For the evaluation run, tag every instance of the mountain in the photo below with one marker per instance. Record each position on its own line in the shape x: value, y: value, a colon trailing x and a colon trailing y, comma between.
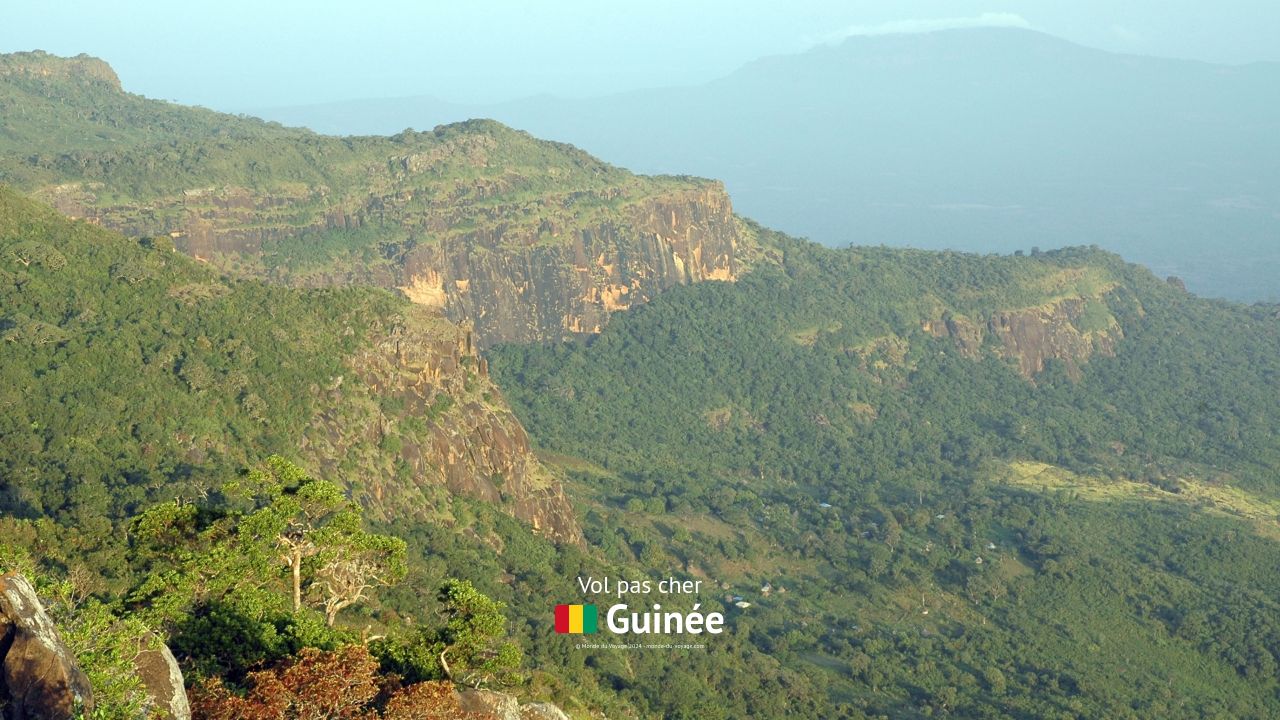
x: 914, y: 483
x: 521, y: 238
x: 133, y: 374
x: 976, y: 486
x: 141, y: 388
x: 987, y: 140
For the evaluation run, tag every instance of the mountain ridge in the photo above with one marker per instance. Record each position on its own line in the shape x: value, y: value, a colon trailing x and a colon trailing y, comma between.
x: 526, y: 239
x: 381, y: 374
x: 978, y: 139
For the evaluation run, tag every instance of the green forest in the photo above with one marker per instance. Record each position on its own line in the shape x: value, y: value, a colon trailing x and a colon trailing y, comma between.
x: 956, y: 538
x: 915, y: 484
x: 796, y: 431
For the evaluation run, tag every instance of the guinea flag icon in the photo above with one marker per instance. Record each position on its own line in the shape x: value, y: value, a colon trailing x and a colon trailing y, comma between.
x: 576, y: 619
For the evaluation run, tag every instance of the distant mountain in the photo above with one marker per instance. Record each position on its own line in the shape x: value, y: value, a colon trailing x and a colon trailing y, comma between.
x: 983, y: 140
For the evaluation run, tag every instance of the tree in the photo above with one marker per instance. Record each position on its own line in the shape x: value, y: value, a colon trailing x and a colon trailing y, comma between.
x: 471, y: 645
x: 312, y: 519
x: 305, y: 505
x: 355, y: 562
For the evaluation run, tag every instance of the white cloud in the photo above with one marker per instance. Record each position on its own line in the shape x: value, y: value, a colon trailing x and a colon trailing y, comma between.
x: 1009, y: 20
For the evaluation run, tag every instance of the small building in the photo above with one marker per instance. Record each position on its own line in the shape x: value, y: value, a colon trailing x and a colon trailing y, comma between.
x: 742, y: 604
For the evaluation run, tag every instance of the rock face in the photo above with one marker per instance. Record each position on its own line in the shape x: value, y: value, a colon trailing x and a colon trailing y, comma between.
x: 515, y: 287
x: 541, y: 711
x: 39, y: 65
x: 160, y: 675
x: 525, y: 239
x: 492, y: 705
x: 41, y: 678
x: 1069, y: 330
x: 1033, y: 336
x: 514, y: 281
x: 441, y: 422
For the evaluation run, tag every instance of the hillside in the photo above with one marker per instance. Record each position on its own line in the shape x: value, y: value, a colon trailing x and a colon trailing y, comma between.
x: 986, y: 140
x: 139, y: 388
x: 914, y: 483
x: 1038, y: 486
x: 133, y: 374
x: 524, y: 239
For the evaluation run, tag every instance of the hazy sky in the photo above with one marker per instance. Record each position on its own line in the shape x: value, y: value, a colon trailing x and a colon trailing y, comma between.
x: 241, y: 54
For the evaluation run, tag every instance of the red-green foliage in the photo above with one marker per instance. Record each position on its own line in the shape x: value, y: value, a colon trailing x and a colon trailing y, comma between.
x: 318, y: 685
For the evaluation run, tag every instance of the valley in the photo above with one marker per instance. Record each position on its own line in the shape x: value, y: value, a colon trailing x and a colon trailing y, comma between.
x: 241, y: 363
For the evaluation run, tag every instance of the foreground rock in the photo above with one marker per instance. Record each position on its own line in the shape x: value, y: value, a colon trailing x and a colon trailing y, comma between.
x: 41, y: 678
x: 158, y: 670
x: 493, y: 705
x: 542, y: 711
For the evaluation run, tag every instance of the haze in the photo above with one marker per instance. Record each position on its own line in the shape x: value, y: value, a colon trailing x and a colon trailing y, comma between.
x: 244, y: 54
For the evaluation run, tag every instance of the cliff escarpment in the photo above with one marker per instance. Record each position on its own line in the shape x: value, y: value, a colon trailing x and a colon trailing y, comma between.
x: 186, y: 377
x: 527, y: 240
x: 563, y: 277
x: 41, y: 67
x: 1069, y: 329
x: 419, y: 410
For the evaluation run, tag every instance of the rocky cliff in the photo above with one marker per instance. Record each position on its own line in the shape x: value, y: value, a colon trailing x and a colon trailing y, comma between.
x: 519, y: 268
x: 564, y: 277
x: 1069, y: 330
x: 49, y: 69
x: 419, y: 404
x: 493, y: 705
x: 526, y: 239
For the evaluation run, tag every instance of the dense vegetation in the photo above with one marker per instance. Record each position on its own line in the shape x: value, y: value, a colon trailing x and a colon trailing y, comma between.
x: 70, y: 134
x: 130, y: 370
x: 921, y: 524
x: 956, y: 538
x: 796, y: 429
x: 139, y: 387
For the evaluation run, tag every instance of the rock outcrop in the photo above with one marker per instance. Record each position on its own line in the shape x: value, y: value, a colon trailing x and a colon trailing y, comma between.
x: 162, y: 678
x: 515, y: 286
x: 1034, y: 336
x: 439, y: 422
x: 528, y: 240
x: 490, y: 705
x: 41, y: 678
x: 514, y: 279
x: 42, y: 66
x: 542, y: 711
x: 493, y: 705
x: 1067, y: 330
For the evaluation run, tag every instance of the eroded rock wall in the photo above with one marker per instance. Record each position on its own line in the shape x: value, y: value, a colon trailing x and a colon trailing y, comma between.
x: 1031, y: 337
x: 419, y: 403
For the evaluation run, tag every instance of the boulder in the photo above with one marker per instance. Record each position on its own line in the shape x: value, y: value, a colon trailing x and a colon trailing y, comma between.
x: 41, y: 678
x: 489, y: 705
x: 541, y: 711
x: 160, y: 675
